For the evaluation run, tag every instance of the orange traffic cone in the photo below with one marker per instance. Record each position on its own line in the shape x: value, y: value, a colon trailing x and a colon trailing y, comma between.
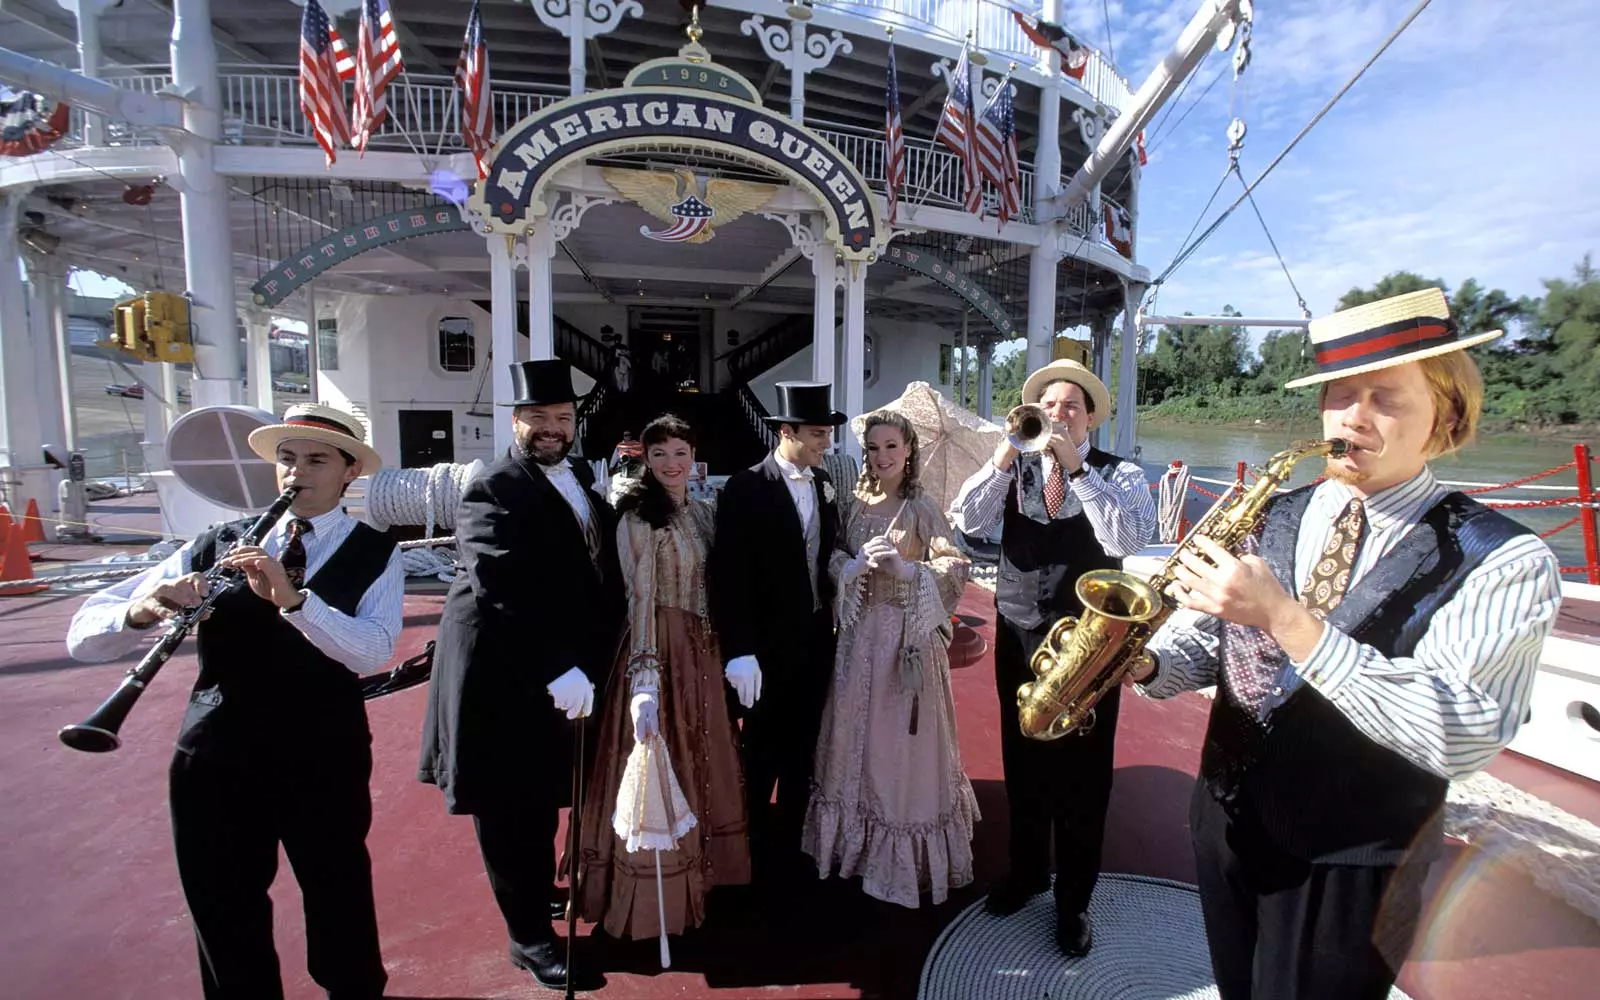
x: 32, y: 524
x: 14, y: 561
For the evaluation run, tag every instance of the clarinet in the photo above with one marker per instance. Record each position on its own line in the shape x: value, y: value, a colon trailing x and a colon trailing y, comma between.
x: 98, y: 733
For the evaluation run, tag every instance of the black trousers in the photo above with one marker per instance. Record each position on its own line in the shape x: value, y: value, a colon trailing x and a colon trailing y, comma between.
x: 228, y: 817
x: 778, y: 743
x: 1056, y: 790
x: 1281, y: 928
x: 519, y: 856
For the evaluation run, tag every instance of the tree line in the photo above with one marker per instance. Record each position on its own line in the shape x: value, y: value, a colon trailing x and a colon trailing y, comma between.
x: 1545, y: 373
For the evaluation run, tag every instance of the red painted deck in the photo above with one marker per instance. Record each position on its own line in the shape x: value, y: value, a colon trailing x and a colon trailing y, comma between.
x: 92, y: 908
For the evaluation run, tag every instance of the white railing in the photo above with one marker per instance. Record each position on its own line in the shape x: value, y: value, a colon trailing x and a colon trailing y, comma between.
x: 262, y: 107
x: 994, y: 32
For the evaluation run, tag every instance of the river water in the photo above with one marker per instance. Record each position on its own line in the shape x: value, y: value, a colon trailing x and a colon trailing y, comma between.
x: 1212, y: 452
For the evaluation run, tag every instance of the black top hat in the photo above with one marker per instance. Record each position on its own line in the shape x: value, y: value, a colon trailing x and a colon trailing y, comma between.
x: 806, y: 403
x: 541, y: 383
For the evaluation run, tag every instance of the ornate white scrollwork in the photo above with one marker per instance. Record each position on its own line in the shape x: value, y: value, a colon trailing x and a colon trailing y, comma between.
x: 801, y: 236
x: 479, y: 224
x: 1090, y: 127
x: 569, y: 213
x: 598, y: 17
x: 777, y: 41
x: 944, y: 68
x: 991, y: 86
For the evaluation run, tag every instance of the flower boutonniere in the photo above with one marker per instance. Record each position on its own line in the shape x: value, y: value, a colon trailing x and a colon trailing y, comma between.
x: 827, y: 492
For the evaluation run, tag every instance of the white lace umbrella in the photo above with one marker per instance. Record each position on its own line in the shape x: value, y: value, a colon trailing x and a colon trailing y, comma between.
x: 953, y: 442
x: 652, y: 813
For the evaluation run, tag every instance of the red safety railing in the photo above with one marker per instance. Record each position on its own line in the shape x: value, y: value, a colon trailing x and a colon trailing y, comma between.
x: 1586, y: 500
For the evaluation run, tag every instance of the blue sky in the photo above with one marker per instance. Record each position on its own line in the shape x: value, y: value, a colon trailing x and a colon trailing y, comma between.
x: 1469, y: 149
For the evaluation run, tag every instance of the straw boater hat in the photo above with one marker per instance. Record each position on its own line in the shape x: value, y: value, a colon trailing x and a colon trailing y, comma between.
x: 315, y: 422
x: 1382, y: 334
x: 1083, y: 378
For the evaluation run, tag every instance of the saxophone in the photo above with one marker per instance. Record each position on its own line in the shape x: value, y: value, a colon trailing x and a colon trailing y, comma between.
x: 1082, y: 659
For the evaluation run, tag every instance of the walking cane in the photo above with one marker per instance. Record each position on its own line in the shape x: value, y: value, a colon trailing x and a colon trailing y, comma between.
x: 574, y: 820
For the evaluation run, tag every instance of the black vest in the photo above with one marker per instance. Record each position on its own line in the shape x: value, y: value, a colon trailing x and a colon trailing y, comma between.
x: 264, y: 689
x: 1040, y: 563
x: 1307, y: 778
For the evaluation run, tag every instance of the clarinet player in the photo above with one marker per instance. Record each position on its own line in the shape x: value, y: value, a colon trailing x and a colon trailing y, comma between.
x: 274, y: 747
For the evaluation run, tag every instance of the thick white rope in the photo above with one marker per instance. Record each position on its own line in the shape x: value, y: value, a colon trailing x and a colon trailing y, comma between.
x: 426, y: 497
x: 1169, y: 505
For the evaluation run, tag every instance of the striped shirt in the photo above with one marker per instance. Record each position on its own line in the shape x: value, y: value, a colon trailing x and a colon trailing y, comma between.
x: 363, y: 642
x: 1118, y: 505
x: 1452, y: 704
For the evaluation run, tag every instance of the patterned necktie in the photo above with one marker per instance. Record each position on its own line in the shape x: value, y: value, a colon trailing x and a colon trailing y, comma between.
x: 294, y: 551
x: 1330, y: 577
x: 1055, y: 490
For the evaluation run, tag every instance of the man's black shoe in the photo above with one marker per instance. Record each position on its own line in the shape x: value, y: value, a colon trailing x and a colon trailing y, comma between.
x: 547, y: 962
x: 1011, y: 894
x: 1075, y: 934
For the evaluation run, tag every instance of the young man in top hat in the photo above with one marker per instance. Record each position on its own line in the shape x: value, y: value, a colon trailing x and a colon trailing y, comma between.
x: 275, y: 747
x: 1382, y: 643
x: 527, y: 632
x: 1070, y: 510
x: 772, y: 602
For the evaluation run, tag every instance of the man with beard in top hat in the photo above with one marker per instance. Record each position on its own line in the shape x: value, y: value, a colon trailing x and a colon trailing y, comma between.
x: 772, y: 602
x: 528, y: 630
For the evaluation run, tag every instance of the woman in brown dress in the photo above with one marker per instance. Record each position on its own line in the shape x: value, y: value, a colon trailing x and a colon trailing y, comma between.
x: 890, y: 801
x: 667, y: 679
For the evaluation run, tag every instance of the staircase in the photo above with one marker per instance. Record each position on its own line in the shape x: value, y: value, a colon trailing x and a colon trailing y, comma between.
x: 773, y: 346
x: 728, y: 439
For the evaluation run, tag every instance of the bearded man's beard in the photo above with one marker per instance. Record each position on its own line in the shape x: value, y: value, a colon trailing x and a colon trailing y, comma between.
x: 547, y: 448
x: 1343, y: 474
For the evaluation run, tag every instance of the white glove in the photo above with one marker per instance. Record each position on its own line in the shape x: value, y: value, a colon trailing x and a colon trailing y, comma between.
x: 643, y: 709
x: 882, y: 554
x: 573, y: 694
x: 744, y: 673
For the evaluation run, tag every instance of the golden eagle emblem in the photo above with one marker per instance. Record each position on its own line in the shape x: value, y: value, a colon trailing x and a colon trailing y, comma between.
x: 676, y: 200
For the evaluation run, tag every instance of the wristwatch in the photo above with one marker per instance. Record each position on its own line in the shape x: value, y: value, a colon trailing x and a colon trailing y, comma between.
x: 1082, y: 470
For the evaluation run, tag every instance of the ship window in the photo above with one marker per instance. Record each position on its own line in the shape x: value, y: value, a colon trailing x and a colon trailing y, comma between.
x: 457, y: 348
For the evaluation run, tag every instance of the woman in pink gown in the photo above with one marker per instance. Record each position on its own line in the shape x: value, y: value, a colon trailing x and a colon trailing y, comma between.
x: 890, y: 801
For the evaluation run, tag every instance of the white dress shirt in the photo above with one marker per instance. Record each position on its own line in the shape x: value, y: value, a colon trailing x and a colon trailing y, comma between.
x: 1459, y: 697
x: 565, y: 480
x: 1117, y: 503
x: 800, y: 486
x: 364, y: 642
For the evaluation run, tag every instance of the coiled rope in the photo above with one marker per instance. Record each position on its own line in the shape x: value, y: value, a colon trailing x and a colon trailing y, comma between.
x: 1169, y: 503
x: 426, y: 497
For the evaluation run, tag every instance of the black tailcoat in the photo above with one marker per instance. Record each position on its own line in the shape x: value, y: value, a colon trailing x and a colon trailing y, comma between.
x: 528, y: 606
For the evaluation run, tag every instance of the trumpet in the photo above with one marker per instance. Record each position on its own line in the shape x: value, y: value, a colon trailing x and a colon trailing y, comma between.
x: 98, y: 733
x: 1029, y: 429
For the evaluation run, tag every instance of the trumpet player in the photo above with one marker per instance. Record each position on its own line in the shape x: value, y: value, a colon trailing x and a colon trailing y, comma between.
x: 274, y: 747
x: 1377, y: 640
x: 1065, y: 508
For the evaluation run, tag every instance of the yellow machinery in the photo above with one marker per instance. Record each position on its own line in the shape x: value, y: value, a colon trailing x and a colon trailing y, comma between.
x: 153, y: 327
x: 1065, y: 348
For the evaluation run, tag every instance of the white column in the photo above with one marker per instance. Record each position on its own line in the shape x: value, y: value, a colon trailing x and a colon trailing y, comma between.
x: 579, y: 21
x: 1100, y: 359
x: 788, y: 47
x: 1128, y: 377
x: 258, y: 360
x: 797, y: 72
x: 503, y: 332
x: 88, y: 11
x: 1046, y: 183
x: 21, y: 445
x: 577, y: 54
x: 74, y: 501
x: 966, y: 319
x: 207, y: 229
x: 541, y: 297
x: 1041, y: 303
x: 44, y: 288
x: 855, y: 347
x: 986, y: 378
x: 825, y: 270
x: 312, y: 357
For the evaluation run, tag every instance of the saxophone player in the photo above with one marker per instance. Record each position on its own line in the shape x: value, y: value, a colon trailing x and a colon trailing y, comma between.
x: 1380, y: 643
x: 1064, y: 512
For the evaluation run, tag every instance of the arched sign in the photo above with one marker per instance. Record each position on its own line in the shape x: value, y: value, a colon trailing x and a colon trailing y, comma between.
x: 336, y: 248
x: 531, y: 152
x: 959, y: 282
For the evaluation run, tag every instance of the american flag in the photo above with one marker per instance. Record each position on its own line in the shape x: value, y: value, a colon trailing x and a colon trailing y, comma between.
x: 377, y: 64
x: 956, y: 131
x: 1049, y: 35
x: 321, y: 95
x: 477, y: 106
x: 997, y: 150
x: 894, y: 166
